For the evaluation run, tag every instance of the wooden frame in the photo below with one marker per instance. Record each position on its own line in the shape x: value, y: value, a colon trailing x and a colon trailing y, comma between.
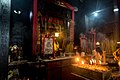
x: 48, y: 45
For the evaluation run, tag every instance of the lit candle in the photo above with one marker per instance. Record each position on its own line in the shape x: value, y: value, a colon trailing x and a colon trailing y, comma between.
x: 119, y: 65
x: 77, y: 59
x: 82, y: 62
x: 100, y: 62
x: 91, y: 62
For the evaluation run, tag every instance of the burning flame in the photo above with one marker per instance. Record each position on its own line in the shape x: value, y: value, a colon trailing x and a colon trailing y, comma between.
x: 100, y: 62
x: 119, y: 63
x: 82, y: 62
x: 77, y: 59
x: 91, y: 62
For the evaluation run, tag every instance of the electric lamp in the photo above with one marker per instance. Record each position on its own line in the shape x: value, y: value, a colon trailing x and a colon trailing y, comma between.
x: 56, y: 34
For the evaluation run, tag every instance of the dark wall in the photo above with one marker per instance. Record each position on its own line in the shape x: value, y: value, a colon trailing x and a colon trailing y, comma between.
x: 4, y: 37
x: 21, y: 25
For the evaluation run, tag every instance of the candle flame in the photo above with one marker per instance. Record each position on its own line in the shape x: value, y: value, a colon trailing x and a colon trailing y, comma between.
x: 90, y: 61
x: 77, y: 59
x: 82, y: 62
x: 100, y: 62
x: 119, y: 63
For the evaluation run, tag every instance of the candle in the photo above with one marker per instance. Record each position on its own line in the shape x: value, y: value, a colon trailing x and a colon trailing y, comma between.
x: 100, y: 62
x: 119, y: 65
x: 82, y: 62
x: 77, y: 59
x: 91, y: 62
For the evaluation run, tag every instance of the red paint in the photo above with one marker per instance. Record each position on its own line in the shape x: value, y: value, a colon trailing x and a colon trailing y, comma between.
x: 73, y: 15
x: 34, y: 43
x: 94, y: 37
x: 95, y: 40
x: 71, y: 8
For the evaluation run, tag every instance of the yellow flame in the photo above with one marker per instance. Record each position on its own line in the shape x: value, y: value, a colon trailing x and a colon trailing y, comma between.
x: 82, y: 62
x: 100, y: 62
x: 91, y: 62
x: 77, y: 59
x: 56, y: 34
x: 119, y: 63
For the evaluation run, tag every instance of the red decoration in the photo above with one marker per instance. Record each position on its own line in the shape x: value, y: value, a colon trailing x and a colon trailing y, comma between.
x: 71, y: 8
x: 93, y: 32
x: 34, y: 27
x: 83, y: 42
x: 48, y: 45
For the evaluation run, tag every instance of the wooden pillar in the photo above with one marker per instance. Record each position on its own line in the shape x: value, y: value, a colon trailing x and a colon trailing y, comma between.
x: 94, y: 34
x: 72, y: 22
x: 71, y: 8
x: 5, y: 6
x: 34, y: 44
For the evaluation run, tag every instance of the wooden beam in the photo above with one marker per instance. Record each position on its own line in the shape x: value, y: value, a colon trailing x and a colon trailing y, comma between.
x: 72, y: 22
x: 71, y: 8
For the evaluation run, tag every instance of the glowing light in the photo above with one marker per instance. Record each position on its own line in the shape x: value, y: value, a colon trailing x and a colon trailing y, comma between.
x: 90, y: 61
x: 15, y: 47
x: 116, y: 9
x: 77, y: 59
x: 118, y: 42
x: 56, y: 34
x: 82, y: 62
x: 30, y: 15
x: 17, y: 12
x: 119, y: 63
x: 28, y: 79
x: 95, y: 14
x: 100, y: 62
x: 93, y: 61
x: 68, y: 24
x: 97, y: 43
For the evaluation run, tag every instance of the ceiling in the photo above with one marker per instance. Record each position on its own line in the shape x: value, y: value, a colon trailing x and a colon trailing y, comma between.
x: 91, y: 5
x: 84, y: 6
